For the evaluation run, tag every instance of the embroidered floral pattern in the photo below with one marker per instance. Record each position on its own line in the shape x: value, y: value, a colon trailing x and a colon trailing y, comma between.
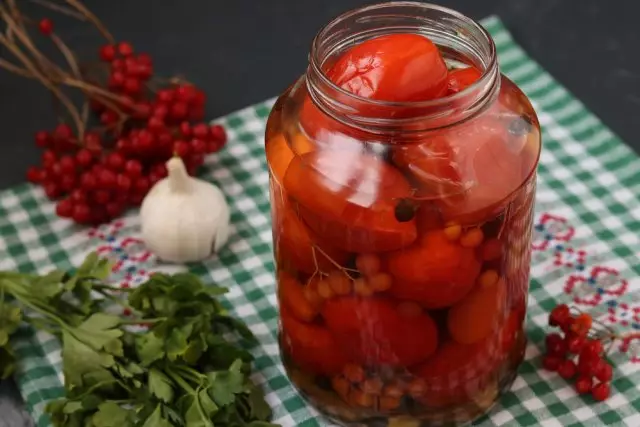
x: 598, y: 289
x: 132, y: 259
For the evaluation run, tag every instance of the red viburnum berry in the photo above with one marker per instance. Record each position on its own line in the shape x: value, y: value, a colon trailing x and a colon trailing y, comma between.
x: 567, y: 369
x: 601, y: 391
x: 603, y: 371
x: 125, y: 49
x: 584, y: 384
x: 46, y: 26
x: 551, y: 363
x: 43, y: 139
x: 108, y: 53
x: 558, y: 316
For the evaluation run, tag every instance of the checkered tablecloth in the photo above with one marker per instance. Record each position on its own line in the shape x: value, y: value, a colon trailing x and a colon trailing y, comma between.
x: 586, y: 249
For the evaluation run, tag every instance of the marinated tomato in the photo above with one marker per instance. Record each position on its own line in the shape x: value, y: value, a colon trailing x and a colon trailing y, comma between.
x: 279, y: 153
x: 380, y: 331
x: 435, y: 271
x: 433, y: 165
x: 296, y: 247
x: 479, y: 314
x: 456, y: 372
x: 349, y: 199
x: 395, y: 67
x: 462, y: 78
x: 310, y: 346
x: 490, y: 166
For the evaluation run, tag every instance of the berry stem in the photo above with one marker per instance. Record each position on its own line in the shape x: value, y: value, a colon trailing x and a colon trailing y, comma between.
x: 93, y: 18
x: 68, y: 55
x: 73, y: 111
x: 60, y: 9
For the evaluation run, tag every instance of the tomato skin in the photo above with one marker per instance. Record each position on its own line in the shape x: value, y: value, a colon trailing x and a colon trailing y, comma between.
x: 373, y: 331
x: 460, y: 79
x: 479, y: 314
x: 295, y: 244
x: 279, y: 153
x: 293, y: 240
x: 394, y: 67
x: 434, y: 272
x: 312, y: 347
x: 457, y: 371
x: 349, y: 199
x: 492, y: 166
x: 433, y: 165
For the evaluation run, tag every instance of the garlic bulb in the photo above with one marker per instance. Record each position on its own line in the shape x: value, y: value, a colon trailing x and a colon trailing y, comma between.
x: 184, y: 219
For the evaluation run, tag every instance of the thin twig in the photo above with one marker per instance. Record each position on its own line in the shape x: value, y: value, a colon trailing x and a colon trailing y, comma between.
x: 68, y: 55
x: 15, y: 69
x: 85, y: 112
x: 60, y: 9
x: 97, y: 90
x: 93, y: 18
x: 45, y: 64
x: 73, y: 111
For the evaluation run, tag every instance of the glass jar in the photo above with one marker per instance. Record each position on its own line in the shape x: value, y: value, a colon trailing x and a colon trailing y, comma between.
x: 402, y: 228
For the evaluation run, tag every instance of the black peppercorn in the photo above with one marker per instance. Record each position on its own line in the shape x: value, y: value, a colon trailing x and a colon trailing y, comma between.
x: 405, y: 210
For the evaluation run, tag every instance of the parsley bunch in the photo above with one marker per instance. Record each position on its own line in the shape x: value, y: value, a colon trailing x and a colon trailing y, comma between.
x: 179, y: 370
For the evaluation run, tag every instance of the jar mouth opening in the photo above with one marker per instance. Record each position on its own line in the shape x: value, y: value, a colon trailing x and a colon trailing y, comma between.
x: 487, y: 59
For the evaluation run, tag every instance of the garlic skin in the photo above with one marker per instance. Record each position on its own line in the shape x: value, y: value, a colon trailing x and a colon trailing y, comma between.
x: 184, y: 219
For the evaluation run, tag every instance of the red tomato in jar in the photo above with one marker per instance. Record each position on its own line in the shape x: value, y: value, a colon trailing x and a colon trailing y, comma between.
x: 433, y: 165
x: 434, y: 272
x: 460, y: 79
x: 490, y: 162
x: 349, y: 199
x: 479, y: 314
x: 378, y: 331
x: 296, y: 246
x: 394, y: 67
x: 279, y: 153
x: 457, y: 372
x: 311, y: 347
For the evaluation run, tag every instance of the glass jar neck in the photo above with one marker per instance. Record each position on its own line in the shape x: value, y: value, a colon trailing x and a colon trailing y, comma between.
x: 459, y: 38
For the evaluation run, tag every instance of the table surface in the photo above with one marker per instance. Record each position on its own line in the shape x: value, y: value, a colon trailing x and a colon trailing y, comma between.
x: 243, y: 51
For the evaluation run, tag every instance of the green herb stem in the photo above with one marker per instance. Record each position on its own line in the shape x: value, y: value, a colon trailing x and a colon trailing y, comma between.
x: 40, y: 309
x: 181, y: 382
x: 109, y: 288
x: 195, y: 375
x: 142, y: 320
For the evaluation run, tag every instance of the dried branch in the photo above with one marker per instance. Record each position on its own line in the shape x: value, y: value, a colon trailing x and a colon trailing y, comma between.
x: 68, y: 55
x: 31, y: 68
x: 93, y: 18
x: 60, y: 9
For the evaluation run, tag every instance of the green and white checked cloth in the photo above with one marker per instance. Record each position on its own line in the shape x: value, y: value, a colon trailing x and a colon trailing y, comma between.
x: 589, y: 185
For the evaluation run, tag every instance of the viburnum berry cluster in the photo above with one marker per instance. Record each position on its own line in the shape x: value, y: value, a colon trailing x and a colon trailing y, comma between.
x: 573, y: 354
x: 96, y: 165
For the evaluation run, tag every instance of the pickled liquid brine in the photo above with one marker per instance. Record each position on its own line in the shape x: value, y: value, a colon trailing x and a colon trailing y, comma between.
x: 402, y: 293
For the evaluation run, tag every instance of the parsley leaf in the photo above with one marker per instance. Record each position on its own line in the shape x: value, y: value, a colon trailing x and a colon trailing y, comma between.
x: 182, y: 370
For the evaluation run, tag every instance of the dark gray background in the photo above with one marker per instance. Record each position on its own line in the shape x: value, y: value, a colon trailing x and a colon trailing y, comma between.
x: 243, y: 51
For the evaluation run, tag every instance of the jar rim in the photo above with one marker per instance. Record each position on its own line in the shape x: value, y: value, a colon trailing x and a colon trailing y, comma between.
x: 486, y: 73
